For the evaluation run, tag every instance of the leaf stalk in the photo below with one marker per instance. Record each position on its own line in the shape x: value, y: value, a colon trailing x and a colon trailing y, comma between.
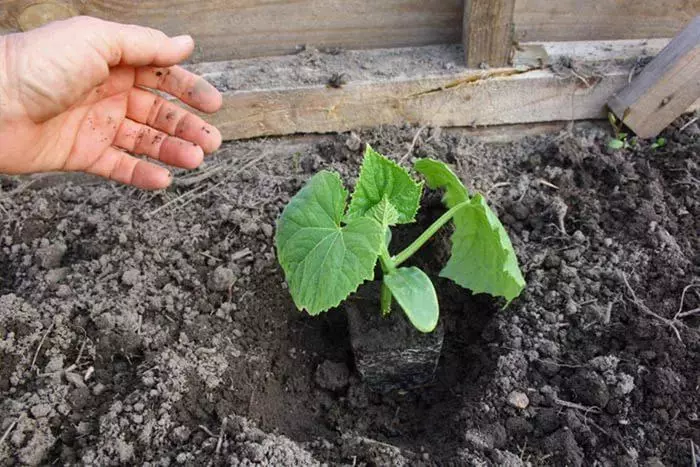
x: 411, y: 249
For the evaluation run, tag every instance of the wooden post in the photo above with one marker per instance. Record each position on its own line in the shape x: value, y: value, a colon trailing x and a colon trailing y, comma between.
x: 488, y: 32
x: 666, y: 87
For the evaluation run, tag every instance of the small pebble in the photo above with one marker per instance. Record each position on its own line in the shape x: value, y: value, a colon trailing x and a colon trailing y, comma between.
x: 353, y: 143
x: 41, y: 410
x: 268, y: 230
x: 98, y: 389
x: 519, y: 400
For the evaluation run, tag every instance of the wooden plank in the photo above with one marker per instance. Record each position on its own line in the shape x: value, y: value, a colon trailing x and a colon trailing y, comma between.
x: 665, y: 88
x: 230, y: 29
x: 429, y: 93
x: 566, y: 20
x: 488, y: 32
x: 465, y: 99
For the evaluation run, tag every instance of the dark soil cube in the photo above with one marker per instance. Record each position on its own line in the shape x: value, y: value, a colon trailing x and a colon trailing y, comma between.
x: 389, y: 352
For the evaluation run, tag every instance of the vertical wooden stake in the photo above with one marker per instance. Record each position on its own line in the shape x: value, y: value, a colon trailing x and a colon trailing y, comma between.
x: 665, y: 89
x: 488, y: 32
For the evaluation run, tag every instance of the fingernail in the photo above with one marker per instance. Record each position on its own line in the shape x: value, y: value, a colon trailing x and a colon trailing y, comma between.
x: 183, y: 41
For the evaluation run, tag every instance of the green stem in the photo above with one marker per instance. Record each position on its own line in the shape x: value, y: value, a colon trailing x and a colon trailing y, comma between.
x: 386, y: 262
x: 385, y: 300
x: 387, y: 268
x: 427, y: 235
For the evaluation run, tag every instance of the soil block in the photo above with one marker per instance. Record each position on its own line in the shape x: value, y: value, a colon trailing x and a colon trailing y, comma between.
x: 389, y: 352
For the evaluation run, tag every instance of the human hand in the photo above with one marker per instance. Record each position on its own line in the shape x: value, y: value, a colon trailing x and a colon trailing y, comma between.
x: 76, y: 95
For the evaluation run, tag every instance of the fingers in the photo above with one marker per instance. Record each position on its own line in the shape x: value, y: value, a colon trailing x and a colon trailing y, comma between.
x: 146, y: 108
x: 139, y: 46
x: 121, y: 167
x: 191, y: 89
x: 141, y: 139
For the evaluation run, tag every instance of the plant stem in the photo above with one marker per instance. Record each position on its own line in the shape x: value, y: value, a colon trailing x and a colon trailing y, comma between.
x: 385, y: 300
x: 425, y: 236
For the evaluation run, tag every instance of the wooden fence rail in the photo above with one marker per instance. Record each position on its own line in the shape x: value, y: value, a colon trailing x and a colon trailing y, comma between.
x: 231, y: 29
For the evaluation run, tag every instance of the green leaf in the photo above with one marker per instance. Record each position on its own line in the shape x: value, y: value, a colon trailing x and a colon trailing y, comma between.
x: 616, y: 144
x: 439, y: 175
x: 324, y: 262
x: 482, y: 259
x: 414, y: 291
x: 659, y: 143
x: 382, y: 178
x: 384, y: 212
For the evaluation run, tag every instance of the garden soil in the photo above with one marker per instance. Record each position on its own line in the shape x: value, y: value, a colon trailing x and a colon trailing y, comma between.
x: 155, y: 328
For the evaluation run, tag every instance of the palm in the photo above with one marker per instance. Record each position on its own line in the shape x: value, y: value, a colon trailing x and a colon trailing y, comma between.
x: 71, y: 119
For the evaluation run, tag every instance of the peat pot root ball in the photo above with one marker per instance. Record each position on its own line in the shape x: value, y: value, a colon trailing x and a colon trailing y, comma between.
x: 389, y: 352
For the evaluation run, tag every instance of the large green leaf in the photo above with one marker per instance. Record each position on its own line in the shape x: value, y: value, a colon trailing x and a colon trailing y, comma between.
x: 382, y: 178
x: 414, y: 291
x: 323, y: 261
x: 482, y: 258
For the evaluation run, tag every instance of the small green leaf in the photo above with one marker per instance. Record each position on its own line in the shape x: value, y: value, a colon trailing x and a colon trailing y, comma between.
x: 616, y: 144
x: 384, y: 212
x: 482, y: 259
x: 324, y: 262
x: 659, y: 143
x: 382, y: 178
x: 414, y: 291
x: 438, y: 175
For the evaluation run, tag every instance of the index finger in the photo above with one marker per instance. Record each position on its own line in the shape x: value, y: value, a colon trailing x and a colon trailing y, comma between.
x: 191, y: 89
x: 133, y: 45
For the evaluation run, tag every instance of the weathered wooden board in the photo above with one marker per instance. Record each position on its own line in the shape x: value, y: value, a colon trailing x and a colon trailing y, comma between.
x: 565, y: 20
x: 229, y: 29
x: 456, y: 98
x: 665, y: 88
x: 488, y: 32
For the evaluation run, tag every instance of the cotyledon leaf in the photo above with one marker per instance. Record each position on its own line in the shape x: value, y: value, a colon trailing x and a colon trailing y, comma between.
x: 382, y: 178
x: 324, y: 261
x: 482, y: 257
x: 414, y: 291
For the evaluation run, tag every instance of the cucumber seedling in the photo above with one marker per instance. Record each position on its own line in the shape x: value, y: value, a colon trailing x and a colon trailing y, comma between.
x: 328, y: 248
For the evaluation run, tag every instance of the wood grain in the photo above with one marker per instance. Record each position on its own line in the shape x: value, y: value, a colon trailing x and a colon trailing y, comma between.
x: 665, y: 88
x: 462, y: 100
x: 564, y: 20
x: 429, y: 96
x: 230, y: 29
x: 488, y: 32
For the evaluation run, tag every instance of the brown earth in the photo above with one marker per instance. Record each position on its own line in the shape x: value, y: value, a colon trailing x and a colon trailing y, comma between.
x: 155, y: 328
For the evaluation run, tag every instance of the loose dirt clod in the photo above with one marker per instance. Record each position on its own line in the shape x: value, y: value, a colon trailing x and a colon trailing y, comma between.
x: 518, y: 399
